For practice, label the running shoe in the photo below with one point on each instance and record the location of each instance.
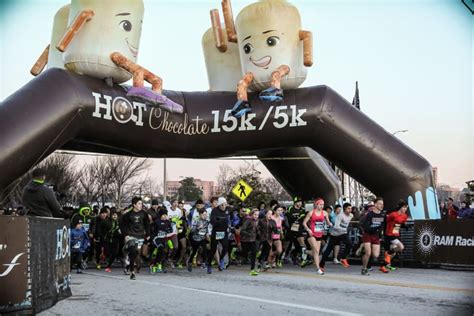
(370, 269)
(79, 271)
(365, 272)
(221, 265)
(274, 265)
(387, 258)
(258, 254)
(108, 270)
(159, 268)
(271, 94)
(125, 271)
(279, 263)
(98, 267)
(335, 261)
(303, 263)
(253, 273)
(383, 269)
(240, 108)
(345, 263)
(320, 272)
(180, 266)
(209, 269)
(233, 255)
(388, 266)
(132, 276)
(322, 269)
(190, 267)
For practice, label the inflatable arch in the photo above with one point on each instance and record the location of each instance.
(60, 109)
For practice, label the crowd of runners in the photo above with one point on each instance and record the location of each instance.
(167, 236)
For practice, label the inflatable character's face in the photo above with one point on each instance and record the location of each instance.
(268, 37)
(55, 57)
(223, 68)
(115, 27)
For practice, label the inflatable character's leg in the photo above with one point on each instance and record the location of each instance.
(242, 105)
(138, 92)
(275, 93)
(74, 28)
(40, 63)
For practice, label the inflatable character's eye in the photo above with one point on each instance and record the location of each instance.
(126, 25)
(273, 40)
(248, 48)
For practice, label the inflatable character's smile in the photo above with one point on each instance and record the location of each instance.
(262, 62)
(132, 49)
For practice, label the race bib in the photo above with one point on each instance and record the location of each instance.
(396, 229)
(140, 243)
(161, 235)
(77, 245)
(202, 232)
(295, 227)
(318, 227)
(220, 235)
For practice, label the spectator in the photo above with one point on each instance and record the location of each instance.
(452, 209)
(444, 210)
(465, 211)
(38, 199)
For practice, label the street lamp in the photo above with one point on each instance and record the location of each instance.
(400, 131)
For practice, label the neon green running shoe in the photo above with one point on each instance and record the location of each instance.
(388, 266)
(253, 273)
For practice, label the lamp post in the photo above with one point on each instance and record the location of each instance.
(164, 180)
(400, 131)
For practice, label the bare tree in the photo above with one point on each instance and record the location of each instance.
(224, 176)
(122, 171)
(275, 189)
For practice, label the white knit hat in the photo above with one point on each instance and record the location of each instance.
(221, 201)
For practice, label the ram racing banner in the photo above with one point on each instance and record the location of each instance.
(445, 241)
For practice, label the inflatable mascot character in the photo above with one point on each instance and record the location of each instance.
(273, 48)
(102, 41)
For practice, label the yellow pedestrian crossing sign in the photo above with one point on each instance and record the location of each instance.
(242, 190)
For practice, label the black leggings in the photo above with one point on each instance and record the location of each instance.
(250, 247)
(132, 255)
(225, 245)
(333, 241)
(112, 252)
(265, 252)
(195, 247)
(76, 259)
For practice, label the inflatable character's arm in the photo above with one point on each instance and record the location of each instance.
(307, 38)
(138, 72)
(243, 85)
(40, 62)
(76, 25)
(229, 21)
(221, 42)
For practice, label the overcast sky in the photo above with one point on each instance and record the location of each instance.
(413, 60)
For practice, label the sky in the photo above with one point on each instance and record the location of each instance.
(413, 60)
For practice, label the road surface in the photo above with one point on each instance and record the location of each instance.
(285, 291)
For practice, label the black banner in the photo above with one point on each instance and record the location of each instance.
(41, 277)
(445, 241)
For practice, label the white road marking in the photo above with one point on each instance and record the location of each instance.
(242, 297)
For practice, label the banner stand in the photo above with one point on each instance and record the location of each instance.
(34, 263)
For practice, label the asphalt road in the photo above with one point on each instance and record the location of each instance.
(289, 290)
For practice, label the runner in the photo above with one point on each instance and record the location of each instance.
(113, 240)
(392, 243)
(316, 219)
(338, 235)
(372, 225)
(135, 227)
(175, 215)
(276, 237)
(248, 236)
(296, 233)
(199, 237)
(265, 234)
(220, 233)
(79, 244)
(163, 231)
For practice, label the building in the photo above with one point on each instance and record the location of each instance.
(435, 176)
(207, 187)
